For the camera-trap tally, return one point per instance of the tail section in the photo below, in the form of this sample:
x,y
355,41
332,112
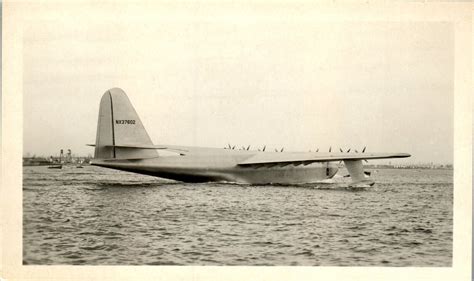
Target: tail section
x,y
120,132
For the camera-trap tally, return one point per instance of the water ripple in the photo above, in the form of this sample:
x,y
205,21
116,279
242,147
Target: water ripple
x,y
103,217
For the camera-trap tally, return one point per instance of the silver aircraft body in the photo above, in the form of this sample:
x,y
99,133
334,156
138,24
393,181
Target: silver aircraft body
x,y
122,143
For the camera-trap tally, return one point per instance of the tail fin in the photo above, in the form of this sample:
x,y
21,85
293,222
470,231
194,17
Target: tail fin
x,y
119,125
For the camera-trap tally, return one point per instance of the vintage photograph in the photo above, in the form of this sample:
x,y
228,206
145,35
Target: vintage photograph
x,y
222,135
224,142
247,143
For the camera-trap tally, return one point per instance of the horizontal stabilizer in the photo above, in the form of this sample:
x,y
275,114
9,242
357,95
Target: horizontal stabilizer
x,y
131,146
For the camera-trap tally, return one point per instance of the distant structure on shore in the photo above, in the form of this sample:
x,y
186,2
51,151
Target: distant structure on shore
x,y
61,159
411,166
423,166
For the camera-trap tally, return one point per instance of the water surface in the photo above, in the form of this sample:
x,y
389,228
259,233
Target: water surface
x,y
98,216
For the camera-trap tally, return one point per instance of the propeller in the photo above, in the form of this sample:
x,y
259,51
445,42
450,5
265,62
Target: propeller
x,y
248,147
264,147
282,149
363,150
317,149
233,147
330,149
349,150
230,147
340,149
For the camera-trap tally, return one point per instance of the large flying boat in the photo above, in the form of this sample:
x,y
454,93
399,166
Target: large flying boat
x,y
122,143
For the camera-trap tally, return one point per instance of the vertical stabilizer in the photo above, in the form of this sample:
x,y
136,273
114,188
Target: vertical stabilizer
x,y
119,125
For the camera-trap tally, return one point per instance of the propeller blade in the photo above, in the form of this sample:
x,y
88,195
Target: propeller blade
x,y
317,149
233,147
330,149
366,161
349,150
276,150
356,151
282,149
230,147
340,149
264,147
248,147
363,150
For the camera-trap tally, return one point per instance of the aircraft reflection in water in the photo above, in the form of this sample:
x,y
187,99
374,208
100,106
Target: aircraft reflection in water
x,y
122,143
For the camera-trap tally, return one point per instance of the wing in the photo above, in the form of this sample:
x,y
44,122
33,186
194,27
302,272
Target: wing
x,y
306,158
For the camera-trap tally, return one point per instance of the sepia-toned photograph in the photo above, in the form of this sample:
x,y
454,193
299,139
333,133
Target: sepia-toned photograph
x,y
198,134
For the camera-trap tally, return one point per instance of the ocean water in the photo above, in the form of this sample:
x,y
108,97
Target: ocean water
x,y
97,216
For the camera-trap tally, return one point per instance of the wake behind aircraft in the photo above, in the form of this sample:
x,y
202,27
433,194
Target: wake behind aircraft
x,y
122,143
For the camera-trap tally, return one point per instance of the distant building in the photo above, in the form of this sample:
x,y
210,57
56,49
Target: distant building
x,y
69,158
35,161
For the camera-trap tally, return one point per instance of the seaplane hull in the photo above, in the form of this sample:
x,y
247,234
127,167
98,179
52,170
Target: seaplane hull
x,y
226,173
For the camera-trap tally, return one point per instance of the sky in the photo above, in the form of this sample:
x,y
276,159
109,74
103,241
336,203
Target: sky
x,y
244,79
